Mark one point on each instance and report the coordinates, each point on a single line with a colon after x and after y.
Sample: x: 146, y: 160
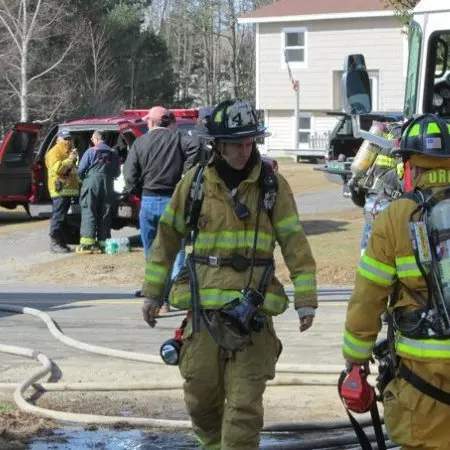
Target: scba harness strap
x: 267, y: 182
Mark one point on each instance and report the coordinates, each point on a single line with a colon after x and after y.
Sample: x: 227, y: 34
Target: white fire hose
x: 316, y: 375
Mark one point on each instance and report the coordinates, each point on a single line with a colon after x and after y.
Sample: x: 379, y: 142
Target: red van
x: 23, y: 175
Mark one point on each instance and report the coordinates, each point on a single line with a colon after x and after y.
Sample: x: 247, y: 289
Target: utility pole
x: 296, y: 88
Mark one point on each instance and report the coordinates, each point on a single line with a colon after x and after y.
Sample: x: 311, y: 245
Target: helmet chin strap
x: 225, y: 158
x: 220, y: 153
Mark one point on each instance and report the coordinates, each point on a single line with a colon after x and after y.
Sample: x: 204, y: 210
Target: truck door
x: 16, y: 160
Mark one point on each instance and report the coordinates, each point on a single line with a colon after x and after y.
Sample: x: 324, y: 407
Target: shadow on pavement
x: 52, y: 301
x: 312, y: 227
x: 14, y: 216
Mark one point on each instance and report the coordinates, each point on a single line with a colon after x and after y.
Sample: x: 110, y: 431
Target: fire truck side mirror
x: 356, y: 93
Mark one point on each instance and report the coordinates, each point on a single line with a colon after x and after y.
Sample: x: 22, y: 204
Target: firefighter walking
x: 98, y: 168
x: 230, y: 347
x: 407, y: 261
x: 378, y: 173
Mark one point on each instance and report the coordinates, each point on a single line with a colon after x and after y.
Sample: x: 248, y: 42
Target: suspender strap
x: 423, y: 386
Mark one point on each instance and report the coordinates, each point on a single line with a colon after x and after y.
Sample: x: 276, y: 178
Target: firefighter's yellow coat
x: 61, y: 167
x: 223, y: 392
x: 223, y: 234
x: 412, y: 419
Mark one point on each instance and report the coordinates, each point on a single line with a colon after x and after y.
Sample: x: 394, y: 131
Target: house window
x: 374, y: 82
x: 294, y: 46
x: 304, y: 130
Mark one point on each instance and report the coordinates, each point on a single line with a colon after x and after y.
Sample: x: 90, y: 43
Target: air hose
x: 33, y: 381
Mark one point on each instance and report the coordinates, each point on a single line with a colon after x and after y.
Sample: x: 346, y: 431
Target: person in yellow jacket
x: 63, y: 184
x: 416, y: 400
x: 230, y: 347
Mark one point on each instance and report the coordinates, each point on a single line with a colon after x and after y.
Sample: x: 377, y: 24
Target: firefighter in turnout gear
x: 98, y: 168
x: 405, y: 262
x: 229, y: 345
x: 378, y: 173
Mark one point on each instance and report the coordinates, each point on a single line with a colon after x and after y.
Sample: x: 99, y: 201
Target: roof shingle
x: 307, y: 7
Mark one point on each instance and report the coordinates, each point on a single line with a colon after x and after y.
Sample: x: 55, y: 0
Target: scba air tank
x: 440, y: 228
x: 367, y: 153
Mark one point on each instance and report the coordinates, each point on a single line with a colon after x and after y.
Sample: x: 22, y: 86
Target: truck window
x: 437, y: 86
x: 415, y: 42
x: 19, y: 150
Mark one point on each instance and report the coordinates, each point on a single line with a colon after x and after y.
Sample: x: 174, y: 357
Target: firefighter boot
x: 56, y: 246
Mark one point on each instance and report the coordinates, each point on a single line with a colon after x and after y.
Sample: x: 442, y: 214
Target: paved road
x: 328, y: 201
x: 111, y: 318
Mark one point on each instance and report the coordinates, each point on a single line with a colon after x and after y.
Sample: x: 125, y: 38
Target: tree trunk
x: 24, y: 83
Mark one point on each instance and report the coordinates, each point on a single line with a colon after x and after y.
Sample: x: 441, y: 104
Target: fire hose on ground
x: 33, y: 382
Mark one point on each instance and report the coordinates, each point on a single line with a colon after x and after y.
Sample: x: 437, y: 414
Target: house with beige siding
x: 307, y: 40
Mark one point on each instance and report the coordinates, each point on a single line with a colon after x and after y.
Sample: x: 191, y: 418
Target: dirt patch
x: 334, y: 241
x: 312, y: 403
x: 18, y: 220
x: 303, y: 178
x: 335, y: 244
x: 17, y: 427
x: 298, y: 403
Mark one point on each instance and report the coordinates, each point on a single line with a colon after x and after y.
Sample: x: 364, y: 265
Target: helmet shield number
x: 240, y: 114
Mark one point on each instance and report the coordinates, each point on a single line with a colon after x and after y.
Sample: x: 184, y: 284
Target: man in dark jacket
x: 155, y: 164
x: 200, y: 133
x: 98, y: 168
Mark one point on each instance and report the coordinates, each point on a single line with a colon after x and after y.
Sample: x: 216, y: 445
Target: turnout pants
x: 413, y: 419
x: 97, y: 200
x: 224, y: 392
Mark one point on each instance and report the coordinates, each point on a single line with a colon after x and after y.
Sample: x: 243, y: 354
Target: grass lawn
x: 334, y: 240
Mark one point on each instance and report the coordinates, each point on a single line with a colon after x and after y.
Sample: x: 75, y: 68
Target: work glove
x: 150, y: 310
x: 306, y: 316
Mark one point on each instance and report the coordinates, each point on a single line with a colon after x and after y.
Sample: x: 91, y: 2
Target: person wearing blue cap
x: 63, y: 184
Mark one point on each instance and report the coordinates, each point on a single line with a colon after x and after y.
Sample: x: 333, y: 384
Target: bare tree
x: 27, y: 25
x: 100, y: 80
x: 402, y: 8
